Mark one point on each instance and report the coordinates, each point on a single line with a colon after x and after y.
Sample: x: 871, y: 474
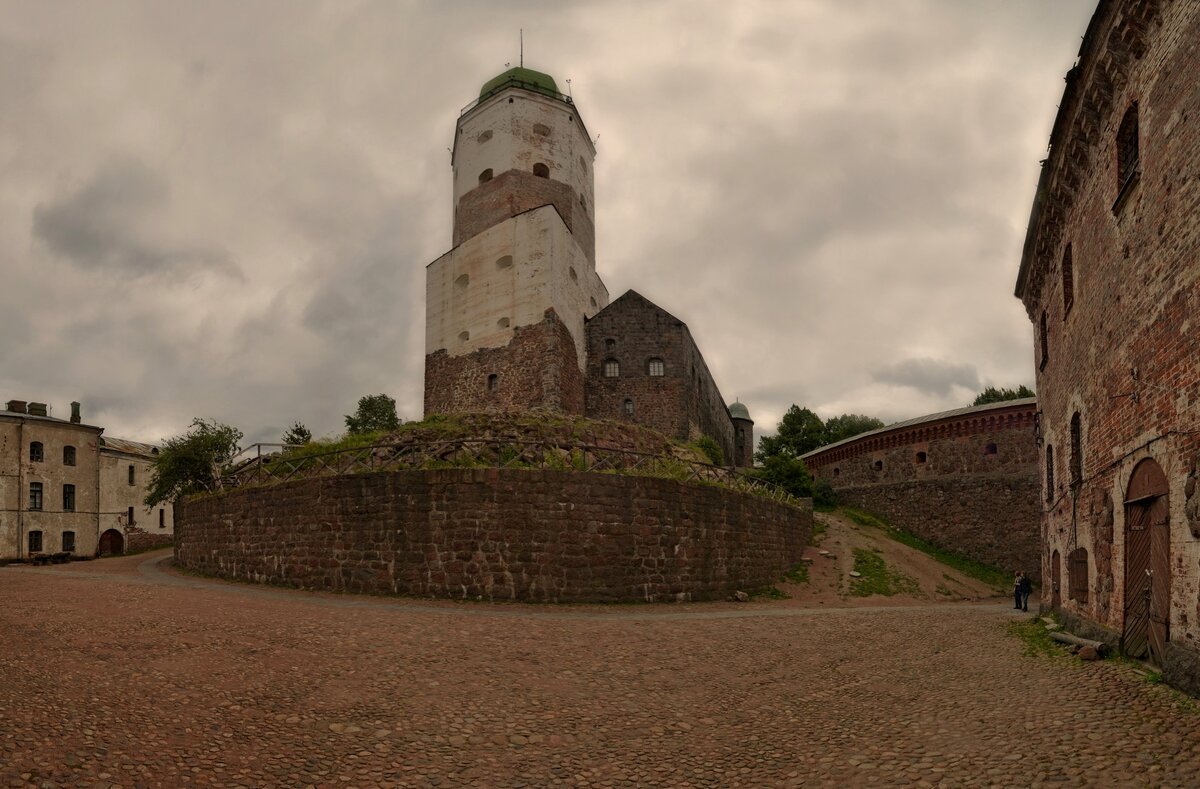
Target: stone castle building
x: 1110, y: 279
x: 67, y: 489
x: 517, y: 317
x: 964, y: 480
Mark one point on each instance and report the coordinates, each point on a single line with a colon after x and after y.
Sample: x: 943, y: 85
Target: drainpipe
x: 20, y: 486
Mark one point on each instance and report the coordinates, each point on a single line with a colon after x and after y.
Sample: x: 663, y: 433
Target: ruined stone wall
x: 497, y: 535
x: 537, y: 369
x: 683, y: 403
x: 1121, y: 319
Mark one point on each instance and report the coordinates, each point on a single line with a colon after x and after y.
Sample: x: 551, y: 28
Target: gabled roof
x: 633, y: 295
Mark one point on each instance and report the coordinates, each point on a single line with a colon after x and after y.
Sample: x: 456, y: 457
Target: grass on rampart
x: 875, y: 577
x: 968, y: 567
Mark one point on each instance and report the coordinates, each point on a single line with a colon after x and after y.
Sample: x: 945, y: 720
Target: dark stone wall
x: 684, y: 403
x: 537, y: 369
x: 495, y: 534
x: 515, y: 192
x: 137, y: 539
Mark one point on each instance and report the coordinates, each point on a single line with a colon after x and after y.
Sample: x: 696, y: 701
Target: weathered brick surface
x: 975, y: 491
x: 495, y: 534
x: 684, y: 403
x: 538, y: 368
x: 1123, y: 354
x: 515, y: 192
x: 138, y: 539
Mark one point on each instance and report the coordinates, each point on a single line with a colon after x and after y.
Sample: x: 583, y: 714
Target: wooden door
x: 1147, y: 627
x: 1055, y: 581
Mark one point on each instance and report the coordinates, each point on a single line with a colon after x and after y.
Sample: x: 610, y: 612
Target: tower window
x: 68, y: 498
x: 612, y: 368
x: 1076, y: 449
x: 628, y: 407
x: 922, y: 457
x: 484, y: 136
x: 463, y: 336
x: 592, y: 302
x: 656, y: 368
x: 541, y: 170
x: 990, y: 449
x: 492, y: 381
x: 462, y: 281
x: 504, y: 262
x: 1128, y: 154
x: 485, y: 176
x: 583, y: 164
x: 1049, y: 474
x: 68, y: 456
x: 503, y: 323
x: 541, y: 129
x: 1068, y: 280
x: 162, y: 519
x: 877, y: 465
x: 837, y: 472
x: 129, y: 516
x: 574, y: 276
x: 36, y: 452
x: 132, y: 475
x: 35, y: 495
x: 1044, y: 339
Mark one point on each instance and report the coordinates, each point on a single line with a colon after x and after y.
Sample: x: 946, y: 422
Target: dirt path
x: 832, y: 560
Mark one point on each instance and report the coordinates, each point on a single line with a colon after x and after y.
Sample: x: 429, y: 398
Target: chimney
x: 37, y: 409
x: 75, y: 418
x: 17, y: 406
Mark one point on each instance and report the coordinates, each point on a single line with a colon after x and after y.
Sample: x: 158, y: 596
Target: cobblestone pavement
x: 119, y: 672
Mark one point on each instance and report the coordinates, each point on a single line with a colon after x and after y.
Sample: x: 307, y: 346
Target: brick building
x: 517, y: 318
x: 964, y: 480
x: 65, y: 488
x: 1109, y: 277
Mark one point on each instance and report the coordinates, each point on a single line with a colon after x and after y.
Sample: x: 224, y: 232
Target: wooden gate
x: 1055, y: 581
x: 112, y: 542
x: 1147, y: 564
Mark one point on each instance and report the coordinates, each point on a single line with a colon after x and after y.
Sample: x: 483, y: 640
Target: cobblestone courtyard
x: 122, y: 672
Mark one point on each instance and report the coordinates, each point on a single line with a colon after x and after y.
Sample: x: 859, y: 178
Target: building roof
x: 128, y: 447
x: 521, y: 77
x: 738, y: 410
x: 51, y: 419
x: 951, y: 414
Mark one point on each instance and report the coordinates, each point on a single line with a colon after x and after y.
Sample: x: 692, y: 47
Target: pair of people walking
x: 1022, y: 587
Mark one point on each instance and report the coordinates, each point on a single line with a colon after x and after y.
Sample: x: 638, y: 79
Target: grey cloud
x: 930, y: 376
x: 112, y: 223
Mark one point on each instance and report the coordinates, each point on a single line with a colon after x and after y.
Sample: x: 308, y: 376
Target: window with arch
x: 484, y: 136
x: 493, y: 381
x: 656, y: 368
x: 628, y: 407
x: 922, y: 457
x: 541, y: 170
x: 612, y: 368
x: 1076, y: 449
x: 485, y: 176
x: 37, y: 452
x: 68, y: 456
x: 1077, y: 575
x: 1128, y: 149
x: 541, y: 129
x: 1068, y: 280
x: 504, y: 262
x: 1049, y: 473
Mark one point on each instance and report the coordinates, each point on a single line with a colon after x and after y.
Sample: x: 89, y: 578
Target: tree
x: 800, y: 431
x: 376, y: 413
x: 297, y: 434
x: 192, y: 462
x: 847, y: 425
x: 994, y: 395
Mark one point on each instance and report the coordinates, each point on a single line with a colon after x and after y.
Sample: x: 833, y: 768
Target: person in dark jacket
x: 1017, y: 586
x: 1026, y: 588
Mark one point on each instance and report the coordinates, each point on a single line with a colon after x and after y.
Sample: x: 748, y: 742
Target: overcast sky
x: 225, y: 209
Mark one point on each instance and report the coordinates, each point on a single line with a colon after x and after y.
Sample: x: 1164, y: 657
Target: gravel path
x: 122, y: 672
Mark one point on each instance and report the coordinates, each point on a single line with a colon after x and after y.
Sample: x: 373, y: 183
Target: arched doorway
x: 1055, y: 580
x: 1147, y: 564
x: 112, y: 543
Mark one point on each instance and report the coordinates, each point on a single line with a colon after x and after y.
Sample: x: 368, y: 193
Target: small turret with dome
x: 743, y: 434
x: 521, y: 77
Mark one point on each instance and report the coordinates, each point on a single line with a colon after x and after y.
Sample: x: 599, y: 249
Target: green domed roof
x: 524, y: 78
x: 739, y: 411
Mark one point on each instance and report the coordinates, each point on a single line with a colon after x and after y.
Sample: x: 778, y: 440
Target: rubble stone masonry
x: 497, y: 535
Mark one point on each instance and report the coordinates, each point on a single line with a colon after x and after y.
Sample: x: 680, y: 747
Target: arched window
x: 656, y: 368
x: 36, y: 452
x: 1068, y: 280
x: 68, y: 456
x: 504, y: 262
x: 922, y: 457
x: 485, y: 176
x: 612, y: 368
x: 1076, y: 450
x: 541, y: 129
x: 541, y: 170
x: 1077, y: 575
x: 461, y: 282
x: 1049, y: 473
x: 484, y: 136
x: 628, y: 407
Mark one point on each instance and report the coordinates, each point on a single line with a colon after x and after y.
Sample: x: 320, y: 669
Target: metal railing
x: 515, y: 83
x: 278, y: 465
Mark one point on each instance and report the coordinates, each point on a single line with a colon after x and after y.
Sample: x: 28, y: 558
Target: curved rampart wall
x: 496, y: 534
x: 967, y: 482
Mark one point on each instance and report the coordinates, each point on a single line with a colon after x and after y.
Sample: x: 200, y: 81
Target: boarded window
x: 68, y: 456
x: 1076, y: 450
x: 1128, y: 153
x: 68, y: 541
x: 35, y: 495
x: 68, y: 498
x: 656, y: 368
x: 1049, y: 473
x: 1077, y: 572
x: 612, y: 368
x: 541, y: 170
x: 35, y: 542
x: 36, y: 452
x: 1068, y: 280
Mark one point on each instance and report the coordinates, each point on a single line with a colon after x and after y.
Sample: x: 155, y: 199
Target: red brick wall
x: 537, y: 369
x: 515, y: 192
x: 1124, y: 355
x: 684, y: 403
x: 495, y: 534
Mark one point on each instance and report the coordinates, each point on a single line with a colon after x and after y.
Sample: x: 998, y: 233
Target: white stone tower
x: 505, y: 308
